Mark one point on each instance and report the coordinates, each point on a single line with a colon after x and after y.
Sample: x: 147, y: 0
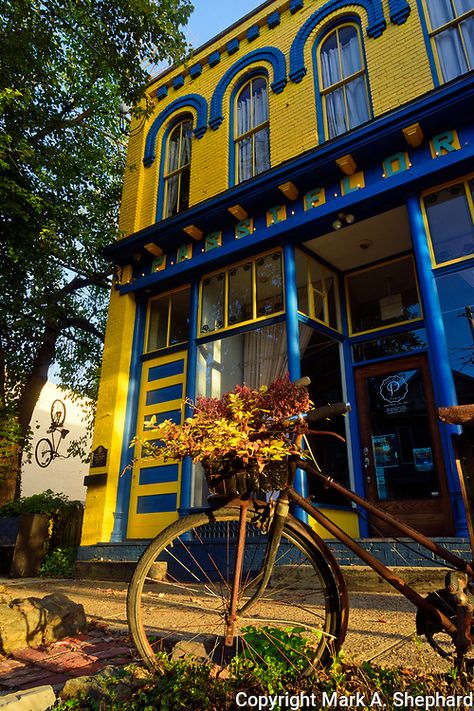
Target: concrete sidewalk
x: 381, y: 629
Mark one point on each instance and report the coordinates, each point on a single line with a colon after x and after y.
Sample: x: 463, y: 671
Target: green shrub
x: 45, y: 503
x: 59, y: 563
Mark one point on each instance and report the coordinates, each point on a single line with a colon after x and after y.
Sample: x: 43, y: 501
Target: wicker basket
x: 232, y: 477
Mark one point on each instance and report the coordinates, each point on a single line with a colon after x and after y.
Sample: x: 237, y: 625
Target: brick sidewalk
x: 70, y: 657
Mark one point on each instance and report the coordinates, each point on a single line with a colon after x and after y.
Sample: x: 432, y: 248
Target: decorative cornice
x: 195, y: 101
x: 273, y: 56
x: 375, y: 28
x: 399, y: 11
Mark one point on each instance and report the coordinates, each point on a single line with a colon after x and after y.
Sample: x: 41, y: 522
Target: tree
x: 66, y: 67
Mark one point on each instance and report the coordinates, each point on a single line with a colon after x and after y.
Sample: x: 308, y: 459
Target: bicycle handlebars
x: 328, y: 411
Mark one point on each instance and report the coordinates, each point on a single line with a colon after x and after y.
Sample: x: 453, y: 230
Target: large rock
x: 108, y: 686
x: 32, y: 621
x: 40, y: 698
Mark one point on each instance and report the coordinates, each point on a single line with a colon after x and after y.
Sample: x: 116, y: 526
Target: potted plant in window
x: 239, y: 437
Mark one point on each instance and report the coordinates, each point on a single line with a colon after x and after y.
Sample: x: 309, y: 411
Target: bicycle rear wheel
x: 44, y: 452
x: 180, y: 593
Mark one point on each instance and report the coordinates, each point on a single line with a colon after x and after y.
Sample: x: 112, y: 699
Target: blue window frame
x: 451, y: 31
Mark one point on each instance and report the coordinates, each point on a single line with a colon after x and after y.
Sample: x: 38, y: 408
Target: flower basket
x: 227, y: 477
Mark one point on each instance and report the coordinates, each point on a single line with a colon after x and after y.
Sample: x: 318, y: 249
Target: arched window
x: 177, y: 168
x: 452, y: 35
x: 252, y: 133
x: 343, y: 81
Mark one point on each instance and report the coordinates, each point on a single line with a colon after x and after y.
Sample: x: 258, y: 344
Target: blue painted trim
x: 389, y: 331
x: 233, y: 97
x: 214, y: 59
x: 353, y: 415
x: 452, y: 268
x: 302, y: 318
x: 384, y: 359
x: 442, y: 378
x: 195, y: 71
x: 296, y: 5
x: 161, y: 395
x: 166, y: 370
x: 267, y: 54
x: 122, y: 505
x: 293, y: 350
x: 178, y: 81
x: 273, y: 20
x: 173, y: 415
x: 187, y: 465
x: 253, y: 32
x: 353, y: 19
x: 195, y: 101
x: 156, y: 503
x: 375, y: 28
x: 429, y: 49
x: 233, y: 46
x: 159, y: 475
x: 399, y: 11
x: 161, y: 92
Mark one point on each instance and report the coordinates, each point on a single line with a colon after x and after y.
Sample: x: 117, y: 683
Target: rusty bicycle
x: 245, y: 575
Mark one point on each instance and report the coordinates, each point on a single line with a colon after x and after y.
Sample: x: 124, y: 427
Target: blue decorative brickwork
x: 214, y: 59
x: 195, y: 71
x: 162, y: 92
x: 195, y: 101
x: 267, y: 54
x: 375, y: 28
x: 296, y: 5
x: 253, y: 32
x: 273, y: 20
x: 399, y: 11
x: 178, y: 81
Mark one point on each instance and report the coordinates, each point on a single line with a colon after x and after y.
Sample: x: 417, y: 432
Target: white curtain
x: 173, y: 182
x: 254, y: 151
x: 451, y: 54
x: 265, y: 355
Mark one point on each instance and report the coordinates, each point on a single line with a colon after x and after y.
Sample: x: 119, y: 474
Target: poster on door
x: 385, y: 450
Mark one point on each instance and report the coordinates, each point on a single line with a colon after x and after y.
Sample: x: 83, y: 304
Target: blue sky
x: 212, y: 16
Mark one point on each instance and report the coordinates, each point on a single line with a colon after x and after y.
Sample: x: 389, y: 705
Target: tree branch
x: 82, y: 324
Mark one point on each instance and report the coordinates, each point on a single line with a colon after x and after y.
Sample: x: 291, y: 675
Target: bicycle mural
x: 47, y: 449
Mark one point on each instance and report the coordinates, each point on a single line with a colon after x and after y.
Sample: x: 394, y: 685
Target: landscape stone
x: 40, y: 698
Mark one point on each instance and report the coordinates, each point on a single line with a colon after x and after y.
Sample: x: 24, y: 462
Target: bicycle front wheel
x: 180, y: 595
x: 44, y: 452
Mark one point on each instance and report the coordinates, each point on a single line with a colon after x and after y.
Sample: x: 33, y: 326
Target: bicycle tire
x: 198, y: 549
x: 43, y: 452
x: 58, y: 413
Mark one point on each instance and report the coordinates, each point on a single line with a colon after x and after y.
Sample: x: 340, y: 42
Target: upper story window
x: 450, y: 221
x: 177, y: 168
x: 168, y: 320
x: 343, y: 80
x: 317, y: 291
x: 242, y: 293
x: 252, y: 133
x: 452, y: 35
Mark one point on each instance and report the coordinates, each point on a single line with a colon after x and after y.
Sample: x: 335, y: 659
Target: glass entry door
x: 401, y: 452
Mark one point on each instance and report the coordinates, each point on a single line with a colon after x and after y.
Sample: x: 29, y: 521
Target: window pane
x: 269, y: 284
x: 463, y: 6
x: 158, y: 324
x: 262, y: 150
x: 301, y: 262
x: 357, y: 105
x: 451, y: 53
x: 383, y: 296
x: 172, y: 195
x: 390, y: 345
x: 259, y: 101
x: 245, y: 156
x: 243, y: 111
x: 330, y: 66
x: 456, y: 295
x: 173, y: 149
x: 179, y: 317
x: 440, y: 12
x: 185, y: 176
x: 350, y: 50
x: 212, y: 312
x: 450, y: 223
x: 186, y: 140
x: 467, y: 28
x: 240, y: 293
x: 336, y: 113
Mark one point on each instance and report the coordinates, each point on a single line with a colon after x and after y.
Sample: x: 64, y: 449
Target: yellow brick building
x: 300, y: 199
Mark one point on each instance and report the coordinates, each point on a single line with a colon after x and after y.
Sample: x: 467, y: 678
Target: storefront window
x: 244, y: 292
x: 394, y: 344
x: 168, y: 320
x: 450, y: 216
x: 317, y: 290
x: 383, y: 295
x: 320, y: 360
x: 456, y: 295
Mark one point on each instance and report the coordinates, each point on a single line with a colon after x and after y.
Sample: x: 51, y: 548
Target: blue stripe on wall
x: 166, y: 370
x: 159, y: 503
x: 172, y: 392
x: 159, y: 475
x: 173, y: 415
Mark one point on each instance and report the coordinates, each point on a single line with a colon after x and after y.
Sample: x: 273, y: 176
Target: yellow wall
x: 110, y: 417
x: 398, y: 71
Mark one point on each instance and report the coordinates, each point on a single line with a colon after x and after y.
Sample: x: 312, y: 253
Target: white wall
x: 62, y: 475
